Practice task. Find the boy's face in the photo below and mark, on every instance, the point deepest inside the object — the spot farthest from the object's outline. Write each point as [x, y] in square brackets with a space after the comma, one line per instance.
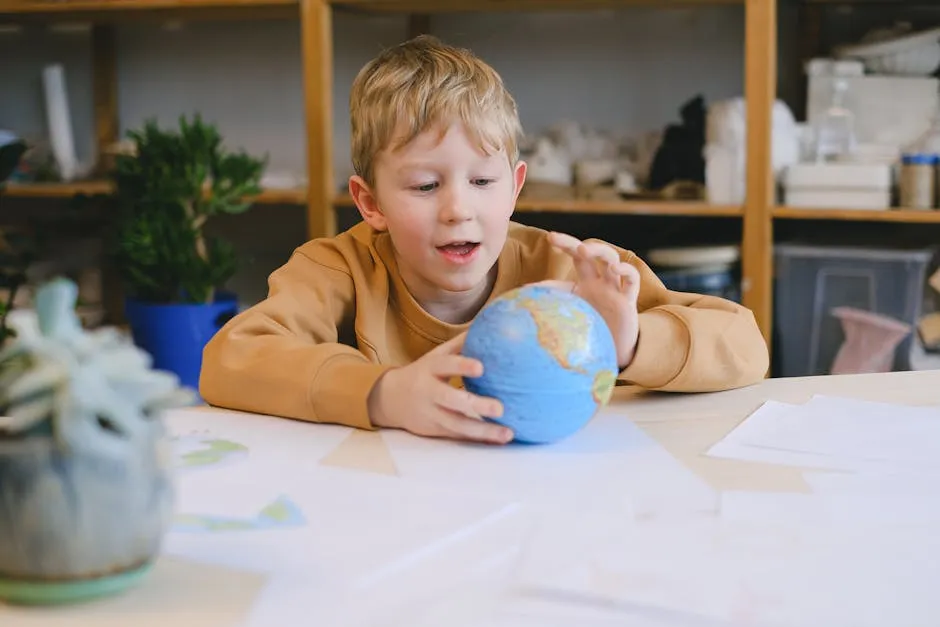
[446, 206]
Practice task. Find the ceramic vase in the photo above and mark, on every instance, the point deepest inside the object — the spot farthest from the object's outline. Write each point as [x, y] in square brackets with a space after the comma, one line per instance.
[86, 486]
[82, 514]
[870, 341]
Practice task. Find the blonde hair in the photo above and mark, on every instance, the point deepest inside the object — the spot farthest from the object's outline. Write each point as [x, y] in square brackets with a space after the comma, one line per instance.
[420, 84]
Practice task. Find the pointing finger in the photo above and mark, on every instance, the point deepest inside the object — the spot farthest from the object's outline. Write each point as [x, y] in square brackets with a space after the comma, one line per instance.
[451, 346]
[584, 264]
[456, 366]
[630, 279]
[599, 250]
[565, 242]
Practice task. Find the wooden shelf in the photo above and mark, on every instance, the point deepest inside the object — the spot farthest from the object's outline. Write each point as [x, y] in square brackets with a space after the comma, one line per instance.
[454, 6]
[109, 10]
[625, 207]
[296, 196]
[67, 190]
[55, 190]
[857, 215]
[315, 20]
[896, 3]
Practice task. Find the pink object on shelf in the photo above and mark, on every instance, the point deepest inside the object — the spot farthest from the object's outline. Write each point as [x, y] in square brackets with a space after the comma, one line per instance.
[870, 341]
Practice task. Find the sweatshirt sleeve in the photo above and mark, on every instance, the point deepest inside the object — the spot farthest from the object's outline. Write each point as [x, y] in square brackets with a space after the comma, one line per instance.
[691, 342]
[283, 357]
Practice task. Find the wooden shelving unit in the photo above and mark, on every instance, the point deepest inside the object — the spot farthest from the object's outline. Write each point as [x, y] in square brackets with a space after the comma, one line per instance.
[55, 190]
[907, 216]
[66, 190]
[610, 207]
[315, 18]
[454, 6]
[104, 11]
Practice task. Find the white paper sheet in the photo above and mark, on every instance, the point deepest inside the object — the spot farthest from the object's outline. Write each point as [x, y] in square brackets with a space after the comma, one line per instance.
[266, 438]
[232, 497]
[364, 537]
[857, 430]
[736, 444]
[875, 483]
[839, 434]
[845, 510]
[612, 463]
[765, 560]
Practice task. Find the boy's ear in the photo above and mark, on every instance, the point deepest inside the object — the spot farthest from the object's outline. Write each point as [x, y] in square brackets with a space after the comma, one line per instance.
[367, 203]
[519, 177]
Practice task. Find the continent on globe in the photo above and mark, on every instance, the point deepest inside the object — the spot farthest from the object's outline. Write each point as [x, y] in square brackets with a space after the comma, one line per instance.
[564, 334]
[548, 356]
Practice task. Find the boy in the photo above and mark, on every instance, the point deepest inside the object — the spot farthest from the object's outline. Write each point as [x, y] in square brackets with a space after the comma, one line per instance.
[365, 329]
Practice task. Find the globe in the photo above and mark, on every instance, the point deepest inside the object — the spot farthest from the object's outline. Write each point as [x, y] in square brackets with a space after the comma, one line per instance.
[548, 356]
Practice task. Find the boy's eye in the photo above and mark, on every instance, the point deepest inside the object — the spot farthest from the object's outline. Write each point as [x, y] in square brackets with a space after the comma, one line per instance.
[427, 187]
[483, 182]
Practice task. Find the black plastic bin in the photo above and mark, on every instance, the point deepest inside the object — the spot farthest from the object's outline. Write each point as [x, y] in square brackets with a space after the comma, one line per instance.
[812, 280]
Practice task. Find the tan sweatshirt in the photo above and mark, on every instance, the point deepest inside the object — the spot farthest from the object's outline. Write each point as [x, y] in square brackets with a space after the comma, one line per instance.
[337, 316]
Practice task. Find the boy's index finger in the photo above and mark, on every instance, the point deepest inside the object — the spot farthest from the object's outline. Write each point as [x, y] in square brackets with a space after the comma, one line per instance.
[451, 346]
[564, 241]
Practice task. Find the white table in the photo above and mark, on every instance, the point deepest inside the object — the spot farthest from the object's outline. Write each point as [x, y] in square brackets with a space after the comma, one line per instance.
[626, 523]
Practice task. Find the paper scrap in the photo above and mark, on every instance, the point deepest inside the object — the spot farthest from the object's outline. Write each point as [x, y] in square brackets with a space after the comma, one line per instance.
[840, 434]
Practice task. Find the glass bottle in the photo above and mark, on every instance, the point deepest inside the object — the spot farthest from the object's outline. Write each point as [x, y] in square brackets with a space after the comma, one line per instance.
[835, 129]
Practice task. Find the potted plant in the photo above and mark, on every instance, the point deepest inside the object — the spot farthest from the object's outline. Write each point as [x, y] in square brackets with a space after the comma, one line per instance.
[166, 190]
[86, 494]
[12, 149]
[14, 250]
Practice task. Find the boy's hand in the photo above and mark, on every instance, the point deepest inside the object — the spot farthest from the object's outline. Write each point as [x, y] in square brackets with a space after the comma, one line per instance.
[610, 285]
[419, 399]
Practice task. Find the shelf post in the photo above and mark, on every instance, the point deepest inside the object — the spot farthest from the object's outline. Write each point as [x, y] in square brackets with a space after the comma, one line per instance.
[316, 23]
[760, 88]
[104, 81]
[107, 131]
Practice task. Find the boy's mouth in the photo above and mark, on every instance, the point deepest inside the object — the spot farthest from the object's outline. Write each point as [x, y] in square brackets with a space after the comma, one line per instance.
[459, 252]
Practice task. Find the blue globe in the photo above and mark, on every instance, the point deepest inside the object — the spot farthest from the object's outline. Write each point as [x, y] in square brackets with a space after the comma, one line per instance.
[548, 356]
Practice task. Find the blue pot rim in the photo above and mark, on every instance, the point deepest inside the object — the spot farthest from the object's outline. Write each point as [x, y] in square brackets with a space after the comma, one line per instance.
[221, 299]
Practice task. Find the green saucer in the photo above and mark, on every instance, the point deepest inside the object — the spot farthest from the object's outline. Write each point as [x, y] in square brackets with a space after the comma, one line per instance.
[23, 592]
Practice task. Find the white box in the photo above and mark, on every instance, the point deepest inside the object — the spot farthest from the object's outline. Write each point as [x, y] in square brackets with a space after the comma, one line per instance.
[891, 110]
[838, 185]
[841, 199]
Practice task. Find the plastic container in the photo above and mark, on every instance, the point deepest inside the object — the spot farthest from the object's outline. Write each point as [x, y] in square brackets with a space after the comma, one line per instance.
[813, 281]
[918, 181]
[713, 282]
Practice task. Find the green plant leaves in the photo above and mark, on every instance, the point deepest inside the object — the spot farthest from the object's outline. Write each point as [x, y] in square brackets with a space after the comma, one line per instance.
[10, 155]
[165, 194]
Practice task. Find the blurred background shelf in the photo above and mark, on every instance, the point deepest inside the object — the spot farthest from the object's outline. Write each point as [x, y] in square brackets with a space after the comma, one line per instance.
[53, 6]
[858, 215]
[614, 207]
[107, 11]
[275, 77]
[67, 190]
[455, 6]
[55, 190]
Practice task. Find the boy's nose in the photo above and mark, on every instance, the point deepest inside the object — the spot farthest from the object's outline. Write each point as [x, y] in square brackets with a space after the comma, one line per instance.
[456, 209]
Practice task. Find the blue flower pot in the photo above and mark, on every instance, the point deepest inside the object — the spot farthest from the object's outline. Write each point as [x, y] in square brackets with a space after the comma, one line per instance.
[176, 334]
